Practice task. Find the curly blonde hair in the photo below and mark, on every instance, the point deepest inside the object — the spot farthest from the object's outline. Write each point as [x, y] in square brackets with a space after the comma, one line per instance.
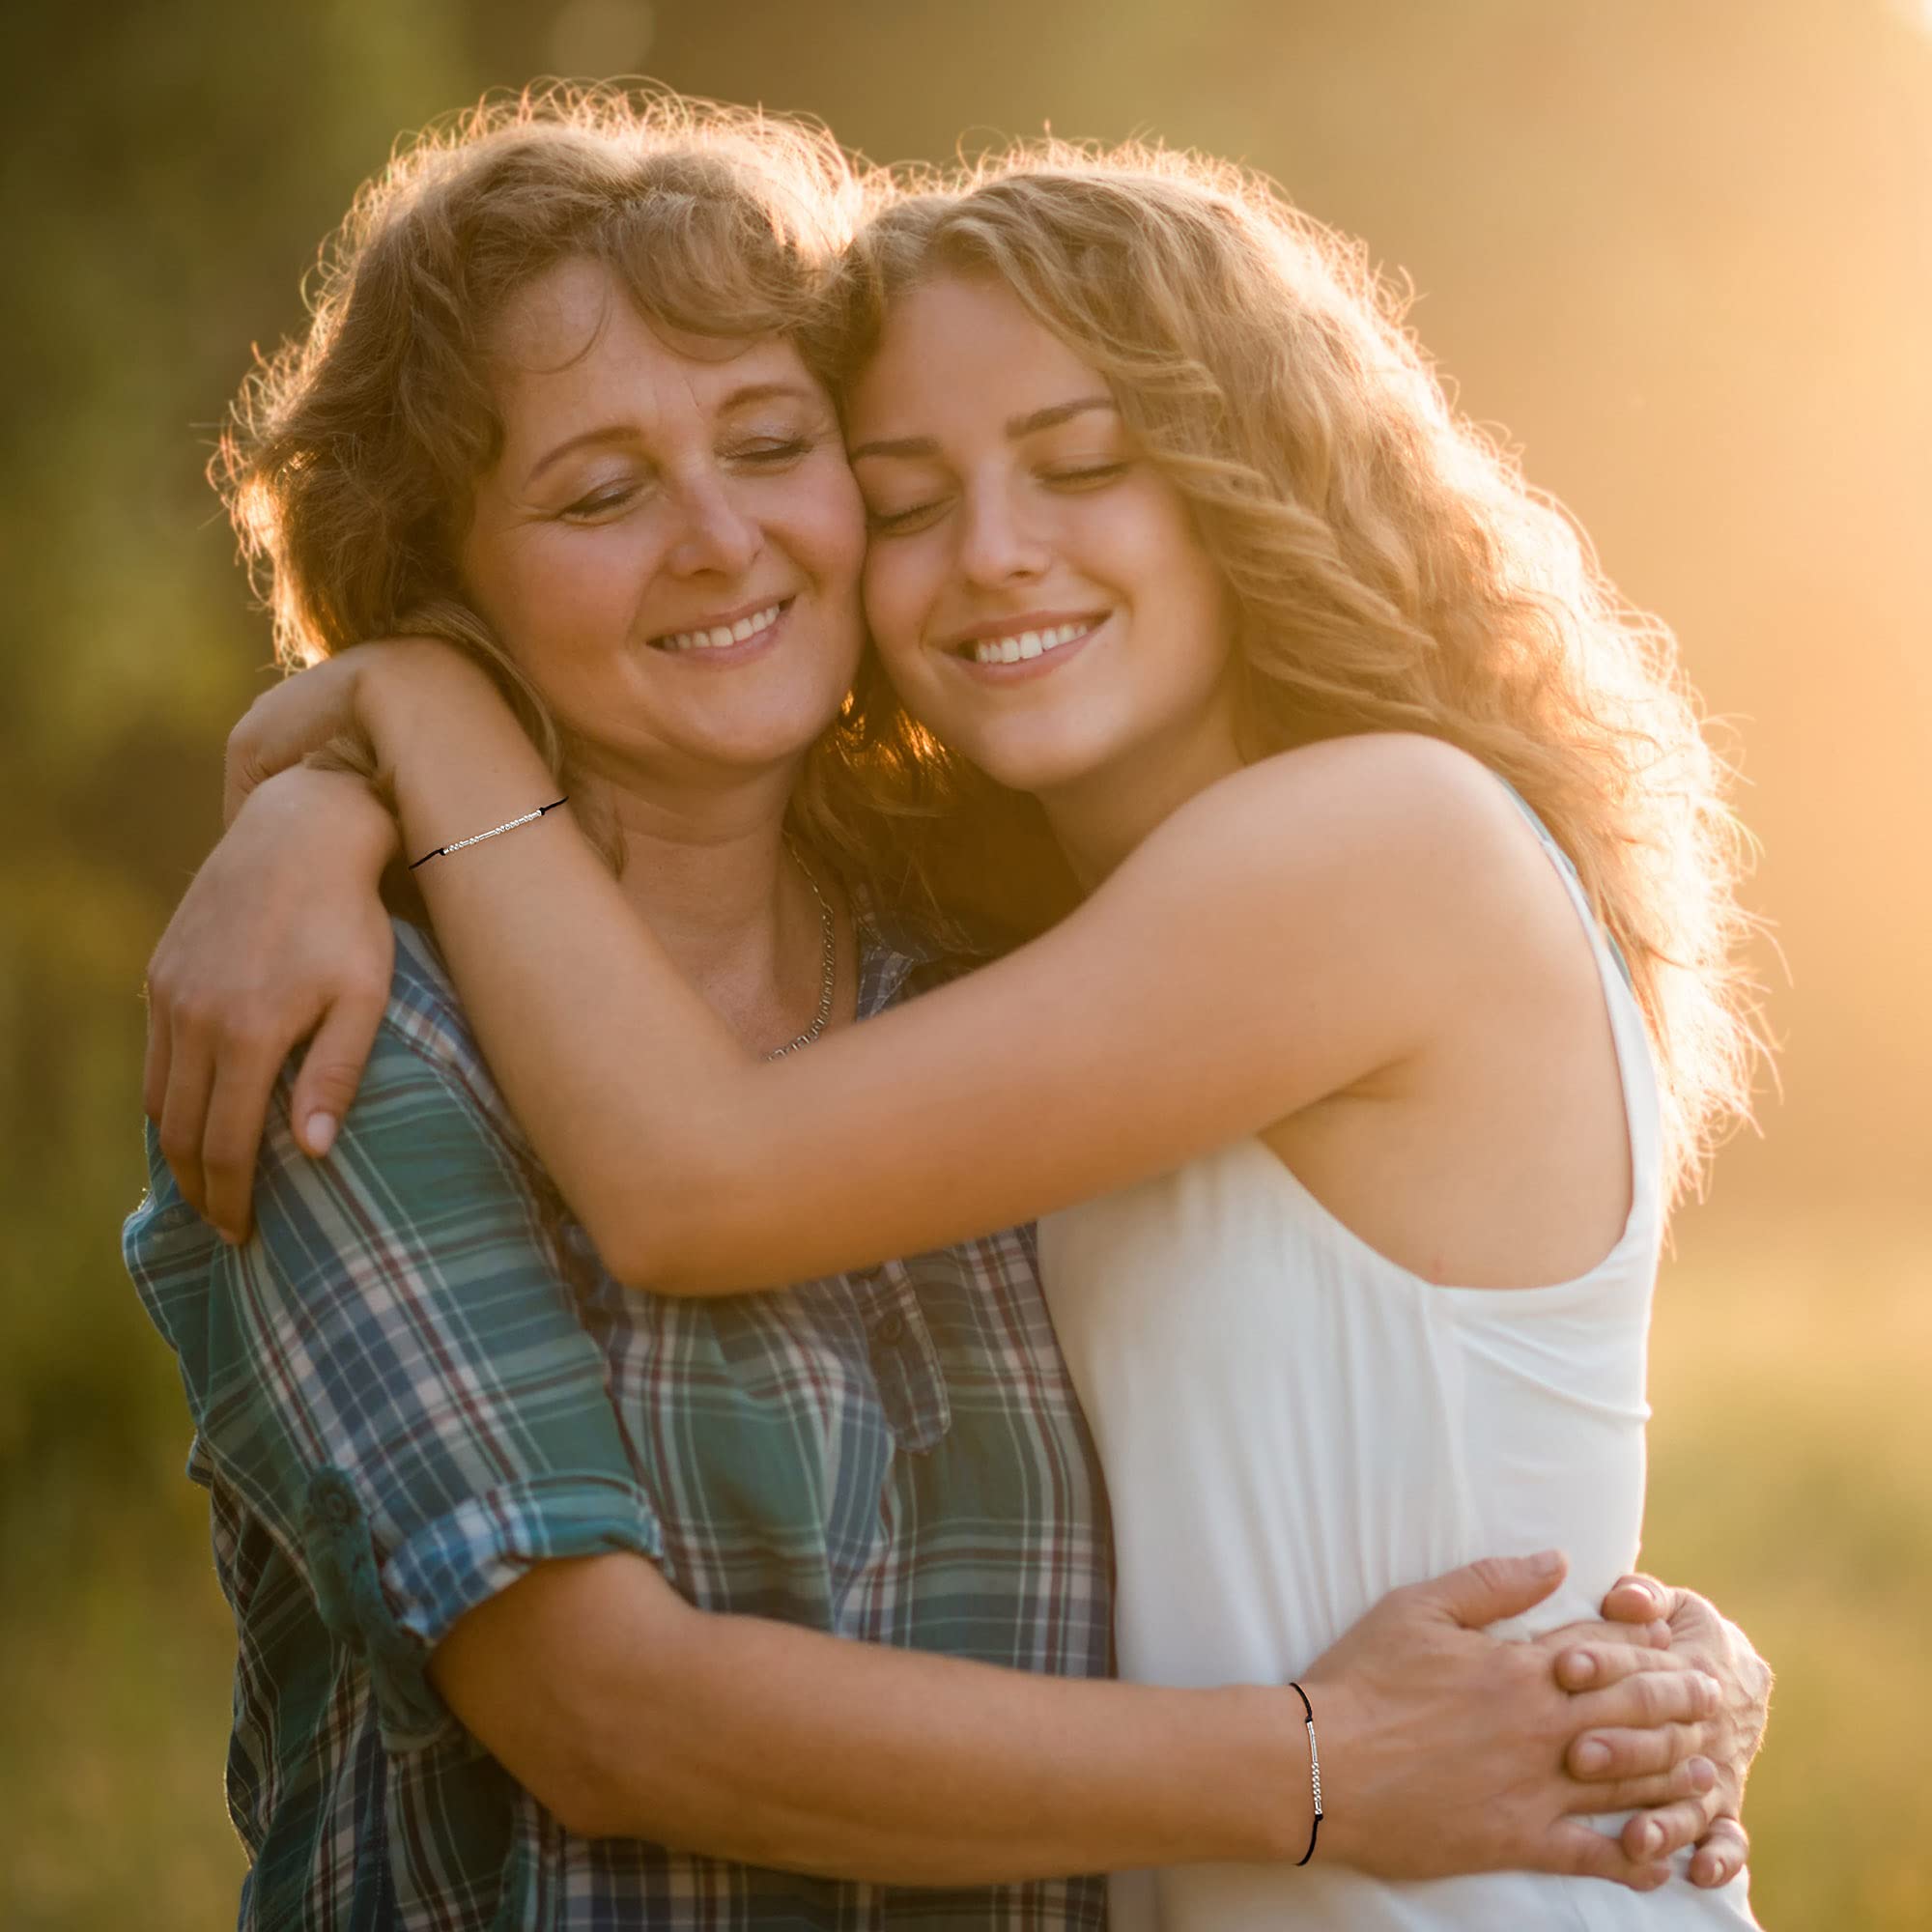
[1391, 570]
[351, 456]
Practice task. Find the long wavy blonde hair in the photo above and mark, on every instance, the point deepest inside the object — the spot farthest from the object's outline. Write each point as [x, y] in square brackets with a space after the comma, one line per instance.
[1391, 570]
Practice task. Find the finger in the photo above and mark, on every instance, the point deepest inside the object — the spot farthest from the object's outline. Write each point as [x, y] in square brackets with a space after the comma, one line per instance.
[1648, 1698]
[241, 770]
[1602, 1756]
[1608, 1659]
[1580, 1851]
[1690, 1778]
[262, 742]
[1668, 1829]
[286, 721]
[184, 1114]
[331, 1069]
[1597, 1632]
[1720, 1852]
[1639, 1598]
[154, 1062]
[1494, 1587]
[237, 1105]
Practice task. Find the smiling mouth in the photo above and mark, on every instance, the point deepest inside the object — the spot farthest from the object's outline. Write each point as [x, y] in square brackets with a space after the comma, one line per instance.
[1015, 646]
[722, 637]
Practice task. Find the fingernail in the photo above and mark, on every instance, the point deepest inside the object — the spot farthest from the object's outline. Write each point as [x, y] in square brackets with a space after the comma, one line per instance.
[1582, 1666]
[1715, 1690]
[1594, 1755]
[1650, 1837]
[1546, 1560]
[321, 1131]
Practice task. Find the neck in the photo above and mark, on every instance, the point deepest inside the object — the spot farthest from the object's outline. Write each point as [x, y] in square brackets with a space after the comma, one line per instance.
[1099, 817]
[706, 869]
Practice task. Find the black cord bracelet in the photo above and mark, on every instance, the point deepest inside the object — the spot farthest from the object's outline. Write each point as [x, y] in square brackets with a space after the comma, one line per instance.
[528, 817]
[1314, 1775]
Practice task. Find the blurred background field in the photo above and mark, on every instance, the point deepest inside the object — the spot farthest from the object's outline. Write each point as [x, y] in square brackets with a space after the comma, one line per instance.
[1682, 252]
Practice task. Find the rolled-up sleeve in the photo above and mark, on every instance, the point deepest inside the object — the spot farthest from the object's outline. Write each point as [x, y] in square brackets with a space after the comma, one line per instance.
[390, 1373]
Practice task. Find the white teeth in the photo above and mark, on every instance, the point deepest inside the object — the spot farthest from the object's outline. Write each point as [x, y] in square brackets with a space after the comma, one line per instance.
[1025, 643]
[717, 636]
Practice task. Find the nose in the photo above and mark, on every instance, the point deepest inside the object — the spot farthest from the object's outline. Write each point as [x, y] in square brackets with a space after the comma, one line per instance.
[714, 534]
[996, 545]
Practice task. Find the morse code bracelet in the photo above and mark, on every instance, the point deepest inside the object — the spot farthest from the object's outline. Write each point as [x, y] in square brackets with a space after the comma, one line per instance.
[529, 819]
[1314, 1775]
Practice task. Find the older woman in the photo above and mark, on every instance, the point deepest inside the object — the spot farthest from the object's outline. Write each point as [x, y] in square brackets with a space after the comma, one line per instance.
[538, 1582]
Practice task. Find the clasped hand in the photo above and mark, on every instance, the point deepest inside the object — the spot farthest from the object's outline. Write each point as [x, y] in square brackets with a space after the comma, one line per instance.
[1455, 1751]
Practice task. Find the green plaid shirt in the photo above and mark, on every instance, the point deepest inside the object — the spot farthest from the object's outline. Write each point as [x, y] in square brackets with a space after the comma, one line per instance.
[416, 1381]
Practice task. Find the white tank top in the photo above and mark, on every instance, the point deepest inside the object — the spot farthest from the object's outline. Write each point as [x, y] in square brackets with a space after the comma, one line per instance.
[1291, 1425]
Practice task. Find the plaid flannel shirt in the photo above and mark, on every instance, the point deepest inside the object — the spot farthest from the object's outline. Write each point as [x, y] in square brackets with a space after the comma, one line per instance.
[416, 1381]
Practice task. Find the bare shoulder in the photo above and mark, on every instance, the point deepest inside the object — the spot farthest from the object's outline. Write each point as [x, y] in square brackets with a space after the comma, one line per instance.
[1394, 811]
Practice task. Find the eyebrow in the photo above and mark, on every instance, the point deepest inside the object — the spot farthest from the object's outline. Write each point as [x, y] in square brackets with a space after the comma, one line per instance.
[607, 434]
[1017, 427]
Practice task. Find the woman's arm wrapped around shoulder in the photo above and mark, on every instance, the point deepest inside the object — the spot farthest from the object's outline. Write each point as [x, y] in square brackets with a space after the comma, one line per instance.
[282, 937]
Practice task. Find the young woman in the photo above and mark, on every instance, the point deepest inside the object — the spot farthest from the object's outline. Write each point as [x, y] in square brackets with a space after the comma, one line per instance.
[648, 537]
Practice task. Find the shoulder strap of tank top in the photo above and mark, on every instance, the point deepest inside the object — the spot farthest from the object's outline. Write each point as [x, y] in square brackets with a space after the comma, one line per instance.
[1571, 878]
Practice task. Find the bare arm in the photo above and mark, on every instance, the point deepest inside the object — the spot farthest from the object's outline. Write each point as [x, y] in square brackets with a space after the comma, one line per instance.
[760, 1742]
[281, 937]
[1390, 861]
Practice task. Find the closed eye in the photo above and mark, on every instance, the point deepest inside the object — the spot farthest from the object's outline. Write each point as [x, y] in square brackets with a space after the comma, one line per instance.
[1084, 476]
[774, 453]
[598, 502]
[900, 522]
[1066, 477]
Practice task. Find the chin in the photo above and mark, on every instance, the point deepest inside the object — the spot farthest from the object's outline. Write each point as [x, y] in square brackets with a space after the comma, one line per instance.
[773, 725]
[752, 751]
[1039, 764]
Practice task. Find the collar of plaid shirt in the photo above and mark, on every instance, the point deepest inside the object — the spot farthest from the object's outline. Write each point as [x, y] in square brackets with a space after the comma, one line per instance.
[416, 1381]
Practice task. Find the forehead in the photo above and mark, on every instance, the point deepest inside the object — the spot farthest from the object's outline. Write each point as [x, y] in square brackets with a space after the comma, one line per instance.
[572, 338]
[962, 347]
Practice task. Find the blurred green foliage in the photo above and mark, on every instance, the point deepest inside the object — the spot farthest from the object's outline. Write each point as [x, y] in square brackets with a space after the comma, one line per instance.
[1680, 251]
[165, 193]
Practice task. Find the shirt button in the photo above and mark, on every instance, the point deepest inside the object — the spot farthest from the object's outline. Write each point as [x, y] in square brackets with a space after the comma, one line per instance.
[891, 1326]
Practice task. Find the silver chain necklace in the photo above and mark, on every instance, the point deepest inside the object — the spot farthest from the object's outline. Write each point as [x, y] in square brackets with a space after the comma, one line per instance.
[829, 933]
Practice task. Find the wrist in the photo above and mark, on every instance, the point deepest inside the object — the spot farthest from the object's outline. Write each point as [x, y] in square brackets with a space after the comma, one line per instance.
[411, 693]
[1271, 1811]
[451, 754]
[338, 805]
[1346, 1796]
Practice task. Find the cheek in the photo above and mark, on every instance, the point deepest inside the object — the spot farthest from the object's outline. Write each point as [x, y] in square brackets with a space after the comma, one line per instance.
[545, 579]
[1211, 609]
[1182, 582]
[561, 602]
[899, 591]
[826, 539]
[823, 522]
